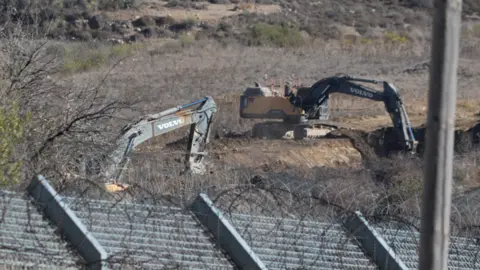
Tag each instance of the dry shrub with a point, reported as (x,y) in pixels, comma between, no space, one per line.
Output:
(278,35)
(86,56)
(186,4)
(466,170)
(404,184)
(68,122)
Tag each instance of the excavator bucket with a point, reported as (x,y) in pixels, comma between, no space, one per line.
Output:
(116,187)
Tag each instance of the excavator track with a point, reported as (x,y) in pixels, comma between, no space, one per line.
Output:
(281,130)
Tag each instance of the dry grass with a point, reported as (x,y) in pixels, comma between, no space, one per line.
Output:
(164,79)
(159,78)
(163,74)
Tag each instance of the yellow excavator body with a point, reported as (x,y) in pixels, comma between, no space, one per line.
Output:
(263,103)
(269,107)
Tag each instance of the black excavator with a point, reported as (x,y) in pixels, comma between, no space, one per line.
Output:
(298,109)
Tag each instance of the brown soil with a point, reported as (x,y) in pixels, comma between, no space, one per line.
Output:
(269,155)
(261,155)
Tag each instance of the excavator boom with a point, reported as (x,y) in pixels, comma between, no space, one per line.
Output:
(150,126)
(311,101)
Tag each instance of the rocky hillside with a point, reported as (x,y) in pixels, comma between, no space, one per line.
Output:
(283,21)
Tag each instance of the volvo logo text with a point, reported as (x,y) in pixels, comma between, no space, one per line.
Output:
(361,92)
(170,124)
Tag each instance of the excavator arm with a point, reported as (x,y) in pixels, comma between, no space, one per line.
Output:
(311,99)
(150,126)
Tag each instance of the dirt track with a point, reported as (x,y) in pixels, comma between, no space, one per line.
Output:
(278,154)
(271,155)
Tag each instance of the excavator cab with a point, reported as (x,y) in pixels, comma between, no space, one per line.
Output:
(261,102)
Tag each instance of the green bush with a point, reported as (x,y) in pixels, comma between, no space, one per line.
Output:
(366,41)
(77,59)
(186,40)
(83,61)
(122,50)
(279,35)
(115,4)
(395,38)
(476,30)
(12,126)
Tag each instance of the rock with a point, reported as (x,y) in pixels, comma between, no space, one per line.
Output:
(116,41)
(261,182)
(95,22)
(164,33)
(116,28)
(134,38)
(80,23)
(305,36)
(348,33)
(71,17)
(374,33)
(219,2)
(148,32)
(119,28)
(257,179)
(182,26)
(80,35)
(101,35)
(143,21)
(164,20)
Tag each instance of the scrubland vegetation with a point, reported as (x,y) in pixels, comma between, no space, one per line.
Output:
(74,72)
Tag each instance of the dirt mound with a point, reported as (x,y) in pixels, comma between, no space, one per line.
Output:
(260,155)
(343,147)
(282,154)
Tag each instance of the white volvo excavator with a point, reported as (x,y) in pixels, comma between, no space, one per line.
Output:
(200,120)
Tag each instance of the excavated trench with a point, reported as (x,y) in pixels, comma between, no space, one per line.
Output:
(245,150)
(375,149)
(385,140)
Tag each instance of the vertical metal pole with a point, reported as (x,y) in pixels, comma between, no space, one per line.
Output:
(435,224)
